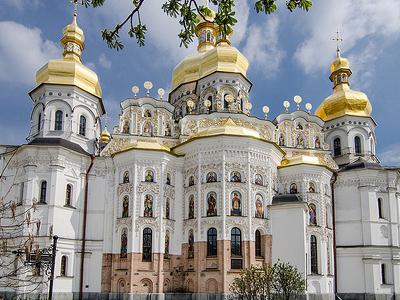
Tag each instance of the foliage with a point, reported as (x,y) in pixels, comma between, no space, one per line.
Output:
(280,281)
(19,232)
(187,12)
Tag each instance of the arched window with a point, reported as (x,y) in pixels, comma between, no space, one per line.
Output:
(68,195)
(236,242)
(383,274)
(337,147)
(125,207)
(357,145)
(147,113)
(125,127)
(314,254)
(312,210)
(43,192)
(212,242)
(211,177)
(380,208)
(147,244)
(258,243)
(210,98)
(124,244)
(64,266)
(58,124)
(191,244)
(149,176)
(39,122)
(125,178)
(82,125)
(168,180)
(293,188)
(147,129)
(208,36)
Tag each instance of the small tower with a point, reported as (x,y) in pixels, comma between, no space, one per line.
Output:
(67,102)
(349,127)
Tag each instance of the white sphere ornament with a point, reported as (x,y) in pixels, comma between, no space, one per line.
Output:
(135,90)
(161,93)
(297,99)
(148,85)
(308,107)
(265,110)
(207,103)
(190,104)
(248,106)
(286,105)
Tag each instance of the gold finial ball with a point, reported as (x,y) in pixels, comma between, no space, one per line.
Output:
(161,92)
(286,104)
(297,99)
(135,90)
(248,106)
(207,103)
(229,98)
(308,107)
(190,103)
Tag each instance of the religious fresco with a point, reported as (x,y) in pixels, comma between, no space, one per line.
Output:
(191,207)
(211,204)
(236,204)
(149,177)
(313,214)
(125,177)
(311,187)
(125,207)
(259,206)
(211,177)
(293,188)
(258,180)
(236,177)
(191,180)
(124,244)
(148,206)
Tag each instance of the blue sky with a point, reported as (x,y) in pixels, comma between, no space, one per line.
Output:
(289,55)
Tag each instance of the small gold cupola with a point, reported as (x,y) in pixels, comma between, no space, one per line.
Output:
(69,70)
(105,136)
(343,101)
(206,31)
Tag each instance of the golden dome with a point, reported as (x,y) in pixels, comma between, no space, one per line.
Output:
(105,136)
(69,70)
(304,159)
(228,128)
(212,56)
(343,101)
(223,58)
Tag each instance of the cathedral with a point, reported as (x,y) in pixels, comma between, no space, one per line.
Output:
(190,187)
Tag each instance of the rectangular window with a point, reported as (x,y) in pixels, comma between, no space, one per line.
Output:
(383,274)
(21,193)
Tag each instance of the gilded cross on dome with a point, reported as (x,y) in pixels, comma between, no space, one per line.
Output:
(338,40)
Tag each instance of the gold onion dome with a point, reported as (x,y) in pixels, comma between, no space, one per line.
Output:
(344,101)
(214,54)
(105,136)
(69,70)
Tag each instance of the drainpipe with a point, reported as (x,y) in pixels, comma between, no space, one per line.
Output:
(85,205)
(334,178)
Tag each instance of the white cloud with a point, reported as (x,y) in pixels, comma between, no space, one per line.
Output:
(262,47)
(22,4)
(357,21)
(23,51)
(242,12)
(104,61)
(391,156)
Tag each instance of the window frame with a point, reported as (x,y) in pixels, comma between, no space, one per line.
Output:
(43,192)
(68,195)
(337,147)
(258,244)
(314,255)
(147,245)
(212,242)
(59,120)
(82,125)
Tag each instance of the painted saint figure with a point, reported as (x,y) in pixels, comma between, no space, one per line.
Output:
(126,177)
(235,177)
(317,143)
(258,180)
(311,188)
(313,214)
(293,188)
(212,204)
(259,207)
(281,140)
(191,180)
(125,207)
(167,209)
(191,207)
(125,128)
(148,206)
(211,177)
(191,245)
(236,204)
(166,245)
(124,244)
(300,141)
(149,177)
(147,129)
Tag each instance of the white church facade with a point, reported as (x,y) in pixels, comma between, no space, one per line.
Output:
(186,191)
